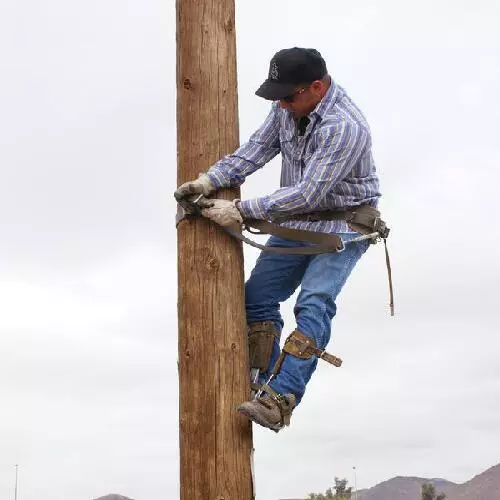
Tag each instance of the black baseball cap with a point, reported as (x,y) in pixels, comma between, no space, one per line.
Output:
(289,68)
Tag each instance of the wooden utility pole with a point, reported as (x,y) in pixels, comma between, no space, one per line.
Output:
(215,442)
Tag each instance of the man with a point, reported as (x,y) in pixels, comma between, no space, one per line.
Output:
(327,166)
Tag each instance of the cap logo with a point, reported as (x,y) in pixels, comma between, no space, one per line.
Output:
(273,71)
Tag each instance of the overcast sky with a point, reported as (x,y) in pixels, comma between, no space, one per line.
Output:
(88,327)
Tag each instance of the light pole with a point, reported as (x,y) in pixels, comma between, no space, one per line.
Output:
(355,484)
(15,487)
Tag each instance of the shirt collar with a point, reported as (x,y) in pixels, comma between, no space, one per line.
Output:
(328,100)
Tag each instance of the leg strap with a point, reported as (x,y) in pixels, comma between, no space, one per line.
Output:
(261,337)
(301,346)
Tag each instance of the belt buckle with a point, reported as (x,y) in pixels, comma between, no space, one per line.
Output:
(311,218)
(380,227)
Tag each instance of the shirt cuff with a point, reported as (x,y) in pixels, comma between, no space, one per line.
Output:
(253,209)
(218,178)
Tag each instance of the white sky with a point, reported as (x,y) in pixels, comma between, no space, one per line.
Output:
(88,375)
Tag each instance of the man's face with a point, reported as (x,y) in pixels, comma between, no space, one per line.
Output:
(304,100)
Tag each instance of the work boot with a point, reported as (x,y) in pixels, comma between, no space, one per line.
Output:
(272,412)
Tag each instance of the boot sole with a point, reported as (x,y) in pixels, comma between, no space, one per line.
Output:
(257,418)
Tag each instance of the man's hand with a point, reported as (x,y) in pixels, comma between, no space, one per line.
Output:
(223,212)
(202,185)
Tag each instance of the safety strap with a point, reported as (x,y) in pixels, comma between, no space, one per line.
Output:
(389,276)
(363,219)
(362,222)
(321,242)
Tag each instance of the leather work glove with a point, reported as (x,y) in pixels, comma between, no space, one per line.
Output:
(223,212)
(202,185)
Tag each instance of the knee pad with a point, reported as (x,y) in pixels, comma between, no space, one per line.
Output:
(261,336)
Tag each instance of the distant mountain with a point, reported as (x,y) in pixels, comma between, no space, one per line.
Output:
(485,486)
(403,488)
(113,497)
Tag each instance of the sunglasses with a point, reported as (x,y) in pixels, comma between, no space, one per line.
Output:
(290,98)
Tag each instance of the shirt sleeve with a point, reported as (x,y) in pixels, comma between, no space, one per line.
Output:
(263,146)
(338,150)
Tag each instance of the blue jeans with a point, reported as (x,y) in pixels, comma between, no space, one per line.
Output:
(275,278)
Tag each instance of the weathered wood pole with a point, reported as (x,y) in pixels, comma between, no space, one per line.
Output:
(215,442)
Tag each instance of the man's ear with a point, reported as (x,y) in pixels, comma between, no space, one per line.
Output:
(317,86)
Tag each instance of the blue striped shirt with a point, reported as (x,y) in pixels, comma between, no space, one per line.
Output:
(329,167)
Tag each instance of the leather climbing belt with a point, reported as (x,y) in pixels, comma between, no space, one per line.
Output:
(363,219)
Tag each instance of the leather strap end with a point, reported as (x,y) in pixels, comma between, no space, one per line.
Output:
(330,358)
